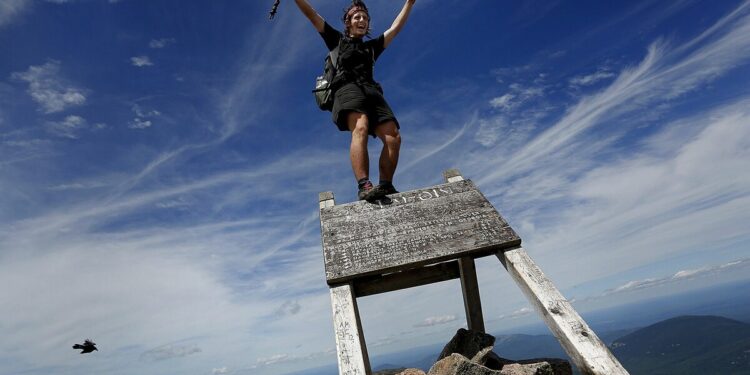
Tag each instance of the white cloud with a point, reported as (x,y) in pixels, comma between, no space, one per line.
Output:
(160,43)
(274,359)
(77,186)
(141,61)
(592,78)
(140,113)
(664,74)
(518,96)
(50,90)
(679,276)
(70,127)
(11,9)
(220,370)
(138,123)
(436,320)
(502,102)
(522,312)
(498,130)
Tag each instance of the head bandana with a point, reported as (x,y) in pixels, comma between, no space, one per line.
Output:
(356,9)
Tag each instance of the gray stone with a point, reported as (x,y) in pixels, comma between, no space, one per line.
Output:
(456,364)
(400,371)
(489,359)
(390,371)
(412,371)
(559,366)
(539,368)
(467,343)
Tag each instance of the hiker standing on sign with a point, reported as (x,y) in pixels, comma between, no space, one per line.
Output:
(358,105)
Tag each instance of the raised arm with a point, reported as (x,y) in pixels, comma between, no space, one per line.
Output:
(311,14)
(398,23)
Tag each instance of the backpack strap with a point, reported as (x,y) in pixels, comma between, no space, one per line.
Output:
(372,54)
(335,55)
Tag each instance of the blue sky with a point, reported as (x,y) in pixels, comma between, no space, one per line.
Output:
(161,160)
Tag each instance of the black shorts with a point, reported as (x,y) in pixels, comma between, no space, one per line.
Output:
(365,98)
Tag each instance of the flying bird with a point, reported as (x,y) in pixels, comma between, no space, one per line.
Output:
(87,347)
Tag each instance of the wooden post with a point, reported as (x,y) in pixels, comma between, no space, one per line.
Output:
(470,289)
(586,350)
(351,350)
(469,283)
(350,341)
(326,200)
(452,175)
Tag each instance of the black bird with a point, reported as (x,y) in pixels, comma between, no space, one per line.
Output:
(87,347)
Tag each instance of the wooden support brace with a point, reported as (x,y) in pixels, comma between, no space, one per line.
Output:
(406,279)
(351,350)
(470,289)
(586,350)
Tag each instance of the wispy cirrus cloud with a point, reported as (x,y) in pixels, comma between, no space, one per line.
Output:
(517,97)
(590,79)
(678,276)
(665,73)
(49,89)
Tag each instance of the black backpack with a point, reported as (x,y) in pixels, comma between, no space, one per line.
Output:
(323,93)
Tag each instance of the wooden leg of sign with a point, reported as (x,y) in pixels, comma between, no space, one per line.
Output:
(469,284)
(586,350)
(470,289)
(350,341)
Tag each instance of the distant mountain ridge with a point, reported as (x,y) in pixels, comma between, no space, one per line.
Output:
(684,345)
(687,345)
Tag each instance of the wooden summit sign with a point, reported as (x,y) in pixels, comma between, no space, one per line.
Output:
(433,235)
(415,228)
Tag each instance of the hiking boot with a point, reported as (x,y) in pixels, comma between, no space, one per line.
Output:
(367,192)
(388,189)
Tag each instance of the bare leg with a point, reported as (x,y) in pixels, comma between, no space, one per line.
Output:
(358,150)
(391,137)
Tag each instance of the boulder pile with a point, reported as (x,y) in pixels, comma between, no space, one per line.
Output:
(470,353)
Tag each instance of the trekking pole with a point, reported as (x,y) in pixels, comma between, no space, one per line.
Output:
(274,8)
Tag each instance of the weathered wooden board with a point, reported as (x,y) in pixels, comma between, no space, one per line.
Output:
(420,227)
(586,350)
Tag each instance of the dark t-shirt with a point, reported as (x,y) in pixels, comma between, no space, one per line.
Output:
(356,57)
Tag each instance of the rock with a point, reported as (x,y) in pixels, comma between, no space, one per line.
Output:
(539,368)
(390,371)
(467,343)
(412,371)
(489,359)
(457,364)
(559,366)
(479,357)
